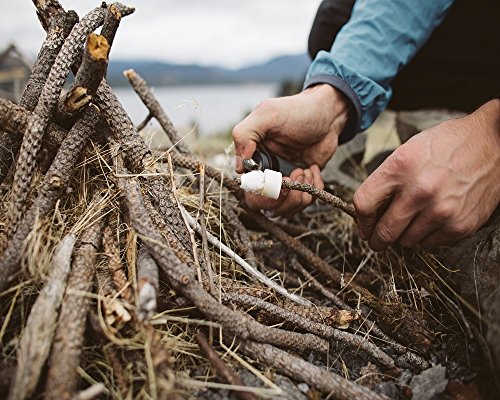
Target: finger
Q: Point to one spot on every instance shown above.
(391, 225)
(293, 200)
(422, 225)
(252, 130)
(370, 200)
(437, 238)
(317, 179)
(257, 202)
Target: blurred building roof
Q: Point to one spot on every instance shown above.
(14, 72)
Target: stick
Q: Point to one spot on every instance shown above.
(88, 78)
(247, 267)
(294, 367)
(182, 279)
(54, 184)
(312, 326)
(322, 195)
(204, 241)
(37, 335)
(61, 25)
(62, 377)
(115, 266)
(40, 118)
(144, 92)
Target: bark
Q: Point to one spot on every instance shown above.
(54, 184)
(329, 383)
(308, 324)
(62, 378)
(144, 92)
(183, 280)
(59, 30)
(38, 332)
(40, 118)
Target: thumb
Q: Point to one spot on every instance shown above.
(253, 130)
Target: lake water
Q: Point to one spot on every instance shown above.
(214, 108)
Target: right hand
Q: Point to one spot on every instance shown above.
(302, 128)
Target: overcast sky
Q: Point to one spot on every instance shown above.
(229, 33)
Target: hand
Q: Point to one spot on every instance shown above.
(290, 202)
(437, 188)
(302, 128)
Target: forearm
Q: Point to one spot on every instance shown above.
(380, 38)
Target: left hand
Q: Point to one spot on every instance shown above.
(437, 188)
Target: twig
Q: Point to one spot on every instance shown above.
(204, 240)
(182, 279)
(296, 368)
(223, 370)
(145, 122)
(40, 118)
(14, 121)
(37, 336)
(111, 23)
(310, 325)
(62, 377)
(115, 266)
(116, 315)
(372, 326)
(54, 184)
(247, 267)
(322, 195)
(61, 25)
(88, 78)
(139, 161)
(142, 89)
(189, 162)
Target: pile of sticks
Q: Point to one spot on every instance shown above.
(117, 261)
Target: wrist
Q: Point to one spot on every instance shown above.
(334, 104)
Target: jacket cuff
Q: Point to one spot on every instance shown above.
(354, 122)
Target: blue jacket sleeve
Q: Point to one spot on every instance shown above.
(380, 38)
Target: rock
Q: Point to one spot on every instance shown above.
(429, 383)
(478, 261)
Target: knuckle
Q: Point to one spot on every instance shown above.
(401, 158)
(423, 191)
(443, 213)
(237, 132)
(384, 234)
(461, 230)
(359, 201)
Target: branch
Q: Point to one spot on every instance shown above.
(183, 281)
(39, 120)
(39, 330)
(54, 185)
(294, 367)
(62, 378)
(144, 92)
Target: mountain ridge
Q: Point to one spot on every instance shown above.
(291, 67)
